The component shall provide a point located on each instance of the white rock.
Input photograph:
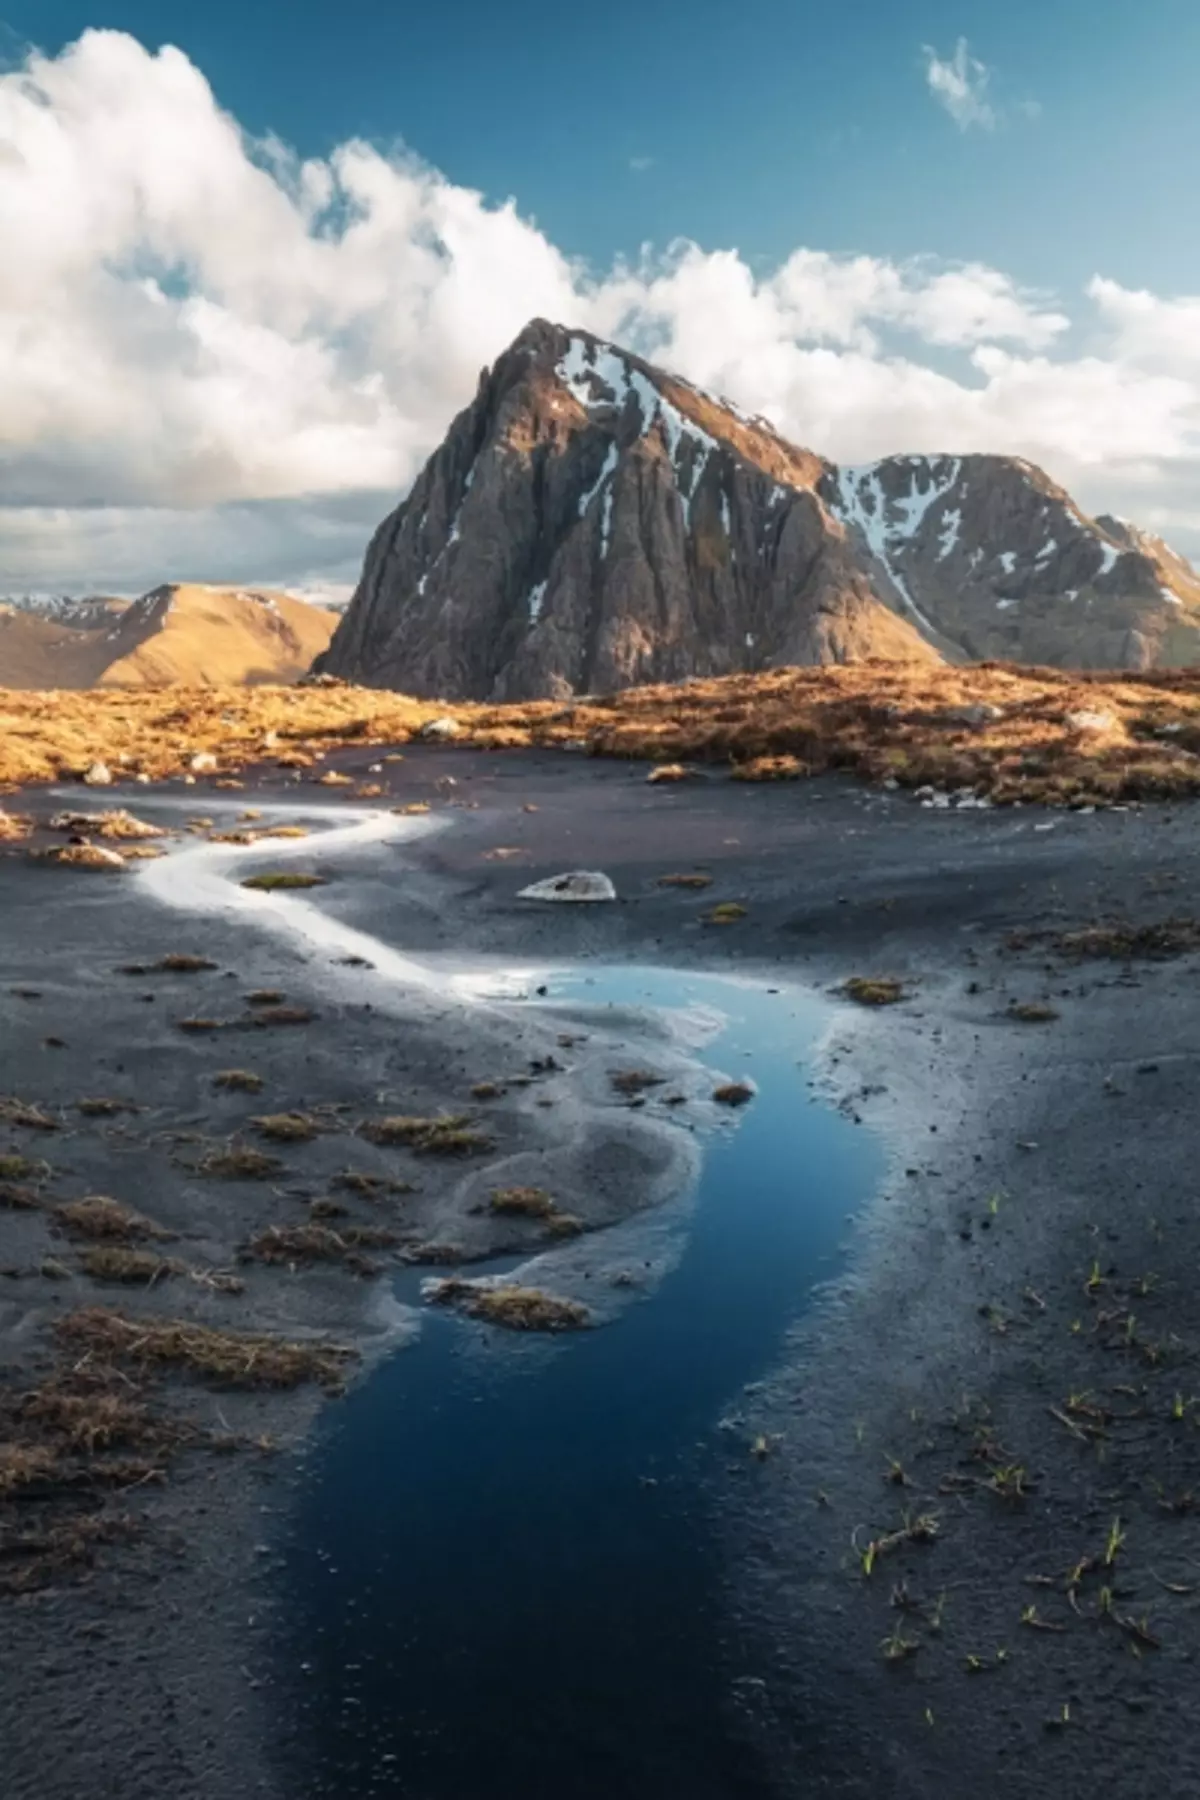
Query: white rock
(99, 775)
(203, 763)
(891, 784)
(440, 728)
(270, 740)
(142, 778)
(1090, 721)
(579, 884)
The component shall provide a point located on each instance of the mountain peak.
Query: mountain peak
(593, 521)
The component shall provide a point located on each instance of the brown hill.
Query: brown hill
(189, 633)
(591, 522)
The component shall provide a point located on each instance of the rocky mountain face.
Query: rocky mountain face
(591, 522)
(185, 633)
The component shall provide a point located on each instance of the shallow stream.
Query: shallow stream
(503, 1577)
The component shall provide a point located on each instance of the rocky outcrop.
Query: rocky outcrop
(591, 522)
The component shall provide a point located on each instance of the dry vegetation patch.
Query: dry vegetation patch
(25, 1114)
(1123, 941)
(133, 1268)
(1003, 730)
(283, 879)
(226, 1358)
(873, 990)
(238, 1081)
(514, 1308)
(449, 1134)
(114, 823)
(101, 1217)
(522, 1203)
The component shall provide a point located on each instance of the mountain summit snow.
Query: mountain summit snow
(591, 522)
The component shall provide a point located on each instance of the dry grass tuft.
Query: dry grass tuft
(727, 913)
(287, 1128)
(238, 1081)
(83, 856)
(1032, 1012)
(733, 1093)
(314, 1242)
(198, 1025)
(770, 768)
(226, 1358)
(24, 1114)
(522, 1203)
(134, 1268)
(268, 1016)
(105, 1107)
(264, 997)
(13, 826)
(1123, 941)
(284, 879)
(16, 1198)
(685, 881)
(14, 1167)
(669, 772)
(911, 722)
(113, 823)
(98, 1216)
(450, 1134)
(873, 990)
(180, 962)
(514, 1308)
(238, 1162)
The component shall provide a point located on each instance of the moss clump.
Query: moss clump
(23, 1168)
(278, 880)
(873, 990)
(727, 913)
(450, 1134)
(514, 1308)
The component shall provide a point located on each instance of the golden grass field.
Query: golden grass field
(1010, 733)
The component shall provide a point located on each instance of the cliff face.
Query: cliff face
(591, 522)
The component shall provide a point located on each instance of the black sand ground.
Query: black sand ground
(1034, 1248)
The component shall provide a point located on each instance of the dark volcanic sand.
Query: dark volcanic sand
(1026, 1158)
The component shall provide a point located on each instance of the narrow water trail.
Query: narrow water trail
(501, 1575)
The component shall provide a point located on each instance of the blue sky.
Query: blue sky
(253, 256)
(769, 123)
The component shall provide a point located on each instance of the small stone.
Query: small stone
(98, 775)
(440, 729)
(203, 763)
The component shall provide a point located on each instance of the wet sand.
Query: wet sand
(901, 1365)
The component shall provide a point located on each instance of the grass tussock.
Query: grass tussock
(727, 913)
(273, 881)
(225, 1358)
(132, 1268)
(181, 962)
(998, 728)
(315, 1241)
(873, 990)
(238, 1081)
(104, 1106)
(287, 1128)
(83, 856)
(733, 1093)
(15, 1167)
(1122, 941)
(197, 1025)
(13, 827)
(669, 772)
(15, 1197)
(522, 1203)
(265, 1018)
(449, 1134)
(238, 1162)
(770, 768)
(113, 823)
(696, 882)
(100, 1217)
(513, 1308)
(1032, 1012)
(25, 1115)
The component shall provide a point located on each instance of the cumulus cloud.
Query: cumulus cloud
(960, 84)
(223, 361)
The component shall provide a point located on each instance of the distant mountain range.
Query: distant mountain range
(592, 522)
(185, 633)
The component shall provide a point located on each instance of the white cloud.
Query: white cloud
(960, 85)
(223, 362)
